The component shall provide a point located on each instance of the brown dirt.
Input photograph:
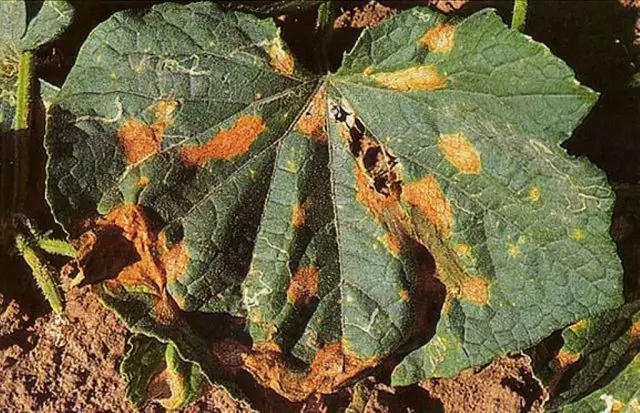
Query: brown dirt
(70, 362)
(506, 385)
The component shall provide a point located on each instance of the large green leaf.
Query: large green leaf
(203, 174)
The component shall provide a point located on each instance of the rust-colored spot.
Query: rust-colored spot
(635, 331)
(123, 250)
(475, 290)
(280, 59)
(367, 196)
(227, 144)
(426, 195)
(140, 140)
(419, 78)
(404, 295)
(304, 286)
(565, 359)
(313, 122)
(393, 244)
(368, 71)
(460, 152)
(439, 39)
(331, 367)
(298, 215)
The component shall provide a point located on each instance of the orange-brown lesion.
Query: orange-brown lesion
(418, 78)
(331, 367)
(461, 153)
(426, 195)
(303, 286)
(439, 39)
(142, 260)
(226, 144)
(280, 59)
(139, 140)
(312, 123)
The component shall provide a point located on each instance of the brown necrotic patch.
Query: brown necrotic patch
(439, 39)
(313, 121)
(226, 144)
(461, 153)
(331, 367)
(140, 140)
(123, 250)
(418, 78)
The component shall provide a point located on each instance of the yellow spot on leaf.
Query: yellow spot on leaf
(578, 235)
(513, 250)
(460, 152)
(534, 194)
(368, 71)
(142, 182)
(475, 290)
(140, 140)
(313, 122)
(579, 326)
(427, 196)
(280, 59)
(439, 39)
(227, 144)
(404, 295)
(419, 78)
(617, 406)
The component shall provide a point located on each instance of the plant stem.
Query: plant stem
(42, 272)
(25, 77)
(26, 68)
(519, 17)
(324, 30)
(57, 246)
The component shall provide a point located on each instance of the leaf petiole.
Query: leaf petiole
(519, 17)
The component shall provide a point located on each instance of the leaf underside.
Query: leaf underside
(203, 174)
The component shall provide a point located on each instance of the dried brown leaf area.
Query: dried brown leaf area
(226, 144)
(505, 385)
(140, 140)
(123, 250)
(330, 369)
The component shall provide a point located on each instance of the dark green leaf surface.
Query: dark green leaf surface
(215, 169)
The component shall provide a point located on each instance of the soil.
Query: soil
(70, 362)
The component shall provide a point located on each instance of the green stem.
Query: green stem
(324, 30)
(42, 272)
(57, 246)
(26, 69)
(519, 17)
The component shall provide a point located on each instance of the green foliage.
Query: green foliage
(155, 371)
(221, 178)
